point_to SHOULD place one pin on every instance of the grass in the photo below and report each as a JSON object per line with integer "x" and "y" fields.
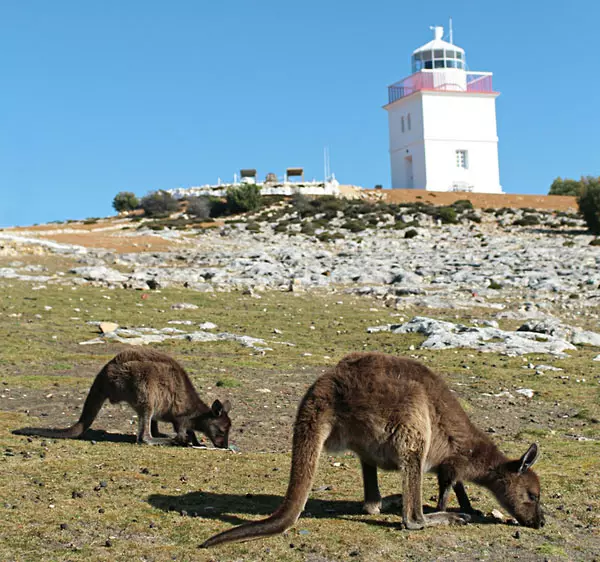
{"x": 161, "y": 503}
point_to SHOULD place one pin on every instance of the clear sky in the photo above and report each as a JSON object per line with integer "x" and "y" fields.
{"x": 104, "y": 96}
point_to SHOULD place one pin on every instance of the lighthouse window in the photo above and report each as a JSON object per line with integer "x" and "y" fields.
{"x": 408, "y": 121}
{"x": 462, "y": 159}
{"x": 438, "y": 54}
{"x": 450, "y": 54}
{"x": 439, "y": 64}
{"x": 402, "y": 123}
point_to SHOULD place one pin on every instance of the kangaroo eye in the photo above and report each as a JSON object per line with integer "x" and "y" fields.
{"x": 533, "y": 497}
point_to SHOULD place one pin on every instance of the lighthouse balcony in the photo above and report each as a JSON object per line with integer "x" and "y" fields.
{"x": 448, "y": 80}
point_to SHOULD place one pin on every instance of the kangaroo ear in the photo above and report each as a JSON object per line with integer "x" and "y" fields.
{"x": 529, "y": 458}
{"x": 226, "y": 406}
{"x": 217, "y": 408}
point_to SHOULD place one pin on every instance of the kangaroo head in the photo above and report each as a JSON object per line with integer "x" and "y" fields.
{"x": 517, "y": 488}
{"x": 215, "y": 424}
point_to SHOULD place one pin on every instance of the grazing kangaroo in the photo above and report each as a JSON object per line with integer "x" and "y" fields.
{"x": 396, "y": 414}
{"x": 158, "y": 388}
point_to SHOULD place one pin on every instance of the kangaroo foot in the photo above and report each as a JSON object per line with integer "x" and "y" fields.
{"x": 414, "y": 525}
{"x": 447, "y": 518}
{"x": 155, "y": 441}
{"x": 372, "y": 508}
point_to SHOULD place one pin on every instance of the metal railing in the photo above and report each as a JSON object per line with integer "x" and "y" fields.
{"x": 476, "y": 83}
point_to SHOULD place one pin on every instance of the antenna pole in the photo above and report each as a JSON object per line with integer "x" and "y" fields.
{"x": 451, "y": 34}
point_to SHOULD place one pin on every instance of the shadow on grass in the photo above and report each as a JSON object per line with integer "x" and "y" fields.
{"x": 98, "y": 435}
{"x": 226, "y": 507}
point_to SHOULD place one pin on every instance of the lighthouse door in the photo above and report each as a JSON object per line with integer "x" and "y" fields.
{"x": 408, "y": 167}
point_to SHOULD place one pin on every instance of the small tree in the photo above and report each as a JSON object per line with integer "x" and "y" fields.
{"x": 565, "y": 187}
{"x": 243, "y": 198}
{"x": 159, "y": 204}
{"x": 199, "y": 207}
{"x": 125, "y": 201}
{"x": 589, "y": 203}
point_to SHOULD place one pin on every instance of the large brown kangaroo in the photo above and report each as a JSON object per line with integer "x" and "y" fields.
{"x": 157, "y": 388}
{"x": 396, "y": 414}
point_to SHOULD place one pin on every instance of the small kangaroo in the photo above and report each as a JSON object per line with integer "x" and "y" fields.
{"x": 396, "y": 414}
{"x": 157, "y": 388}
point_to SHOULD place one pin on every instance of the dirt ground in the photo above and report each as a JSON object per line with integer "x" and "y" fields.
{"x": 480, "y": 200}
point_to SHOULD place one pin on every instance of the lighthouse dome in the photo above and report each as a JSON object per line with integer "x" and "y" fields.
{"x": 438, "y": 54}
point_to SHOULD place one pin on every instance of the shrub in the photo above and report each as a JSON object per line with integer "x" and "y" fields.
{"x": 589, "y": 203}
{"x": 281, "y": 227}
{"x": 462, "y": 205}
{"x": 527, "y": 220}
{"x": 308, "y": 228}
{"x": 565, "y": 187}
{"x": 494, "y": 285}
{"x": 125, "y": 201}
{"x": 302, "y": 205}
{"x": 243, "y": 198}
{"x": 329, "y": 203}
{"x": 159, "y": 204}
{"x": 329, "y": 237}
{"x": 199, "y": 207}
{"x": 253, "y": 227}
{"x": 595, "y": 242}
{"x": 472, "y": 217}
{"x": 411, "y": 233}
{"x": 218, "y": 207}
{"x": 447, "y": 215}
{"x": 354, "y": 225}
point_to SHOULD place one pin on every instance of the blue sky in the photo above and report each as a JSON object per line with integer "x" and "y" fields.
{"x": 140, "y": 95}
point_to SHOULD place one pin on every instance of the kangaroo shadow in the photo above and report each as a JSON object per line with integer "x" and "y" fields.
{"x": 99, "y": 435}
{"x": 229, "y": 507}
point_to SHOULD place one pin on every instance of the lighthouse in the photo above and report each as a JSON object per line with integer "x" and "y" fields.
{"x": 442, "y": 123}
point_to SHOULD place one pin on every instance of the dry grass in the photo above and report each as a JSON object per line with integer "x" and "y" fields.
{"x": 161, "y": 503}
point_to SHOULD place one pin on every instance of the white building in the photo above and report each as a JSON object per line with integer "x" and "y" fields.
{"x": 442, "y": 123}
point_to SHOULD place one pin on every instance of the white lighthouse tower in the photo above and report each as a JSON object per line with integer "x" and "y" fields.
{"x": 442, "y": 123}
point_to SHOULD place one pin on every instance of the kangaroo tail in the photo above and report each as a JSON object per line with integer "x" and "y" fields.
{"x": 91, "y": 407}
{"x": 310, "y": 434}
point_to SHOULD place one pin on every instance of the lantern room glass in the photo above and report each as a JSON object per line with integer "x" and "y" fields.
{"x": 438, "y": 58}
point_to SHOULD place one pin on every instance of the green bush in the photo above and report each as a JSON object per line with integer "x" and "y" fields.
{"x": 565, "y": 187}
{"x": 302, "y": 205}
{"x": 125, "y": 201}
{"x": 447, "y": 215}
{"x": 199, "y": 207}
{"x": 527, "y": 220}
{"x": 308, "y": 228}
{"x": 462, "y": 205}
{"x": 589, "y": 203}
{"x": 494, "y": 285}
{"x": 472, "y": 217}
{"x": 243, "y": 198}
{"x": 218, "y": 207}
{"x": 253, "y": 227}
{"x": 595, "y": 242}
{"x": 329, "y": 236}
{"x": 281, "y": 227}
{"x": 354, "y": 225}
{"x": 159, "y": 204}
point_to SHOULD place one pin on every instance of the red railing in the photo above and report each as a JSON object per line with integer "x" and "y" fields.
{"x": 477, "y": 83}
